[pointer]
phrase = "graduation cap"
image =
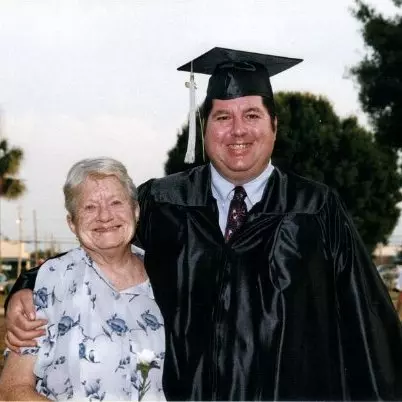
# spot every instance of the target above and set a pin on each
(234, 73)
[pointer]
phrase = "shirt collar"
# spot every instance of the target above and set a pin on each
(143, 288)
(222, 188)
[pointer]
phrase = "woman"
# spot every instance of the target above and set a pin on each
(104, 336)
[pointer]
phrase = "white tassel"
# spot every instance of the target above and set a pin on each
(190, 153)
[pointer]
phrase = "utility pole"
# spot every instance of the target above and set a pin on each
(19, 222)
(52, 253)
(35, 237)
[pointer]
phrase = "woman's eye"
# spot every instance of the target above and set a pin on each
(116, 202)
(89, 207)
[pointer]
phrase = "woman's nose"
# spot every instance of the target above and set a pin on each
(104, 213)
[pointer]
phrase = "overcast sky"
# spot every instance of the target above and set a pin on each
(83, 78)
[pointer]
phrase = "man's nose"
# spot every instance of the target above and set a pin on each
(238, 126)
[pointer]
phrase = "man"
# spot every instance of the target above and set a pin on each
(266, 289)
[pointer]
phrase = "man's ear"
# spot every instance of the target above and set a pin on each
(71, 224)
(275, 127)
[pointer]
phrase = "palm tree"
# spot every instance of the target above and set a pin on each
(11, 187)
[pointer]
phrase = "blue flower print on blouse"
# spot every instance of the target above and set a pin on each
(92, 297)
(123, 363)
(41, 298)
(83, 354)
(92, 390)
(66, 323)
(151, 321)
(117, 324)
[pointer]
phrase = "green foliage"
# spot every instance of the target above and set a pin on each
(43, 254)
(175, 162)
(10, 162)
(379, 74)
(314, 142)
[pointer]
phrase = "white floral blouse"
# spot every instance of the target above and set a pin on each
(101, 344)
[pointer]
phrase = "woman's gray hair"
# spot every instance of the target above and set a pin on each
(96, 168)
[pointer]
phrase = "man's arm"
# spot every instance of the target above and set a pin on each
(17, 381)
(22, 327)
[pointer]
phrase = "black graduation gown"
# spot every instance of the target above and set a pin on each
(292, 308)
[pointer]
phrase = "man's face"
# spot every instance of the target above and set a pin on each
(239, 138)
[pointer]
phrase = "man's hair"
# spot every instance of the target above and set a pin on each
(96, 168)
(268, 103)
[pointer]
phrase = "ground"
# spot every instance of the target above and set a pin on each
(2, 331)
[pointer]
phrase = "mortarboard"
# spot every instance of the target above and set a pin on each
(234, 73)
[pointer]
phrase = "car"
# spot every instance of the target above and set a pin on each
(389, 274)
(3, 282)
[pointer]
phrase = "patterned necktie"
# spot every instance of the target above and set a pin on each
(237, 212)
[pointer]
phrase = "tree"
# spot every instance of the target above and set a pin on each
(10, 186)
(42, 255)
(10, 161)
(379, 74)
(314, 142)
(175, 162)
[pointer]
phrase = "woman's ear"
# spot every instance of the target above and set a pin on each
(71, 224)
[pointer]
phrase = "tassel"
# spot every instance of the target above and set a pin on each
(190, 154)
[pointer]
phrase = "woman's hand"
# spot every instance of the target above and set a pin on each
(21, 325)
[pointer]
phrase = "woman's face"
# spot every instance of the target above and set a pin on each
(105, 217)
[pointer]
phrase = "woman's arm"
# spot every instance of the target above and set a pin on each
(17, 381)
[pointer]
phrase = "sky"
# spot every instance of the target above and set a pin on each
(81, 78)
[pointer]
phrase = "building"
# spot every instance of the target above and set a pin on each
(385, 254)
(11, 253)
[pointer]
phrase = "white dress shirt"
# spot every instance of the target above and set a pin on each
(223, 191)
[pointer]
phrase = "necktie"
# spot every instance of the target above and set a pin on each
(237, 212)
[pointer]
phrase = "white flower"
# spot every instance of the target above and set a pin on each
(146, 357)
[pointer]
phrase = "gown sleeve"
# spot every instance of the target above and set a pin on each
(144, 198)
(26, 280)
(370, 330)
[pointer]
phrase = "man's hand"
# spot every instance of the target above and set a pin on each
(22, 327)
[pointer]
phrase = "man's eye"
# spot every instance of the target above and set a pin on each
(116, 202)
(89, 207)
(253, 116)
(222, 117)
